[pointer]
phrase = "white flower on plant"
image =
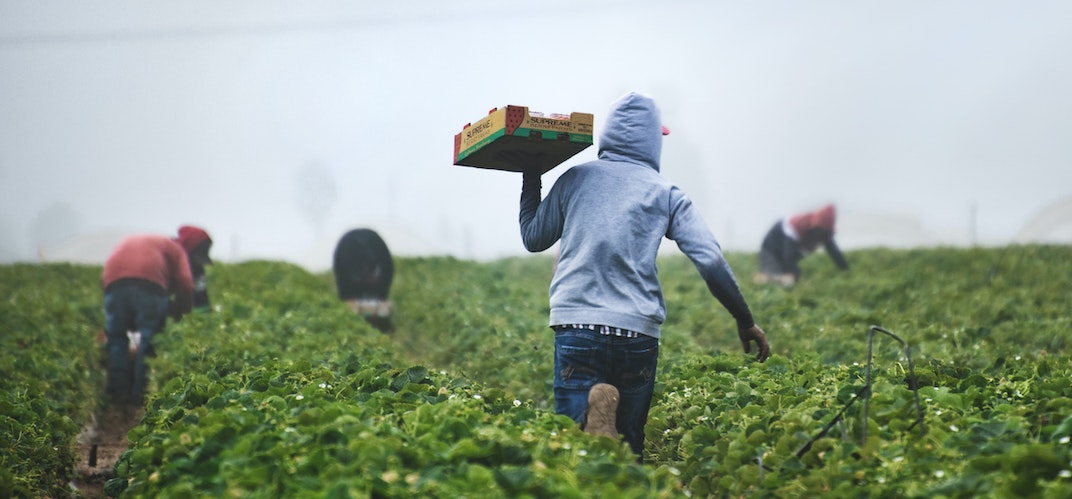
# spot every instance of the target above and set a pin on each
(1064, 474)
(939, 473)
(582, 453)
(477, 396)
(299, 397)
(1063, 440)
(517, 403)
(953, 427)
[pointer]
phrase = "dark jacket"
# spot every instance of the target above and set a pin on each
(363, 266)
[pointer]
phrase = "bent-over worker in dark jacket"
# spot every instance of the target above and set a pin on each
(793, 238)
(363, 273)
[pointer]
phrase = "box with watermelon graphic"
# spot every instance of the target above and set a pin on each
(509, 138)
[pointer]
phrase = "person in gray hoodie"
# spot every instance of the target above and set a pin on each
(610, 216)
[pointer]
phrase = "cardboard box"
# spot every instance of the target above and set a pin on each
(511, 137)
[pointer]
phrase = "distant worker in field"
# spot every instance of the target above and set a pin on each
(197, 244)
(363, 273)
(140, 279)
(793, 238)
(610, 216)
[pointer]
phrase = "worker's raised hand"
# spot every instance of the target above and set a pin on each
(757, 335)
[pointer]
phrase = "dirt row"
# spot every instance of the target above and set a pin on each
(99, 446)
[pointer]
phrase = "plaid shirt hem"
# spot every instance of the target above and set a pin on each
(599, 328)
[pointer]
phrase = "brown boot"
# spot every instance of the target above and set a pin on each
(602, 411)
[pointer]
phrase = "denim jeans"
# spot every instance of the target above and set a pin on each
(131, 308)
(584, 358)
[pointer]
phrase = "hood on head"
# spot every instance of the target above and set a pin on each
(191, 237)
(823, 218)
(633, 131)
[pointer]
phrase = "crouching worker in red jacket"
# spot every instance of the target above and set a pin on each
(139, 279)
(793, 238)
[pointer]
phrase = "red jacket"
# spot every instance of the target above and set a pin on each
(156, 259)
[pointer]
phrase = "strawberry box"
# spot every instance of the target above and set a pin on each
(510, 137)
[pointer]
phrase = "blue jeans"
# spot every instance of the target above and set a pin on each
(584, 358)
(131, 308)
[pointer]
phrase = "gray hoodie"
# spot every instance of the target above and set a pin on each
(611, 214)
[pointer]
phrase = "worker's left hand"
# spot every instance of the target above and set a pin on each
(757, 335)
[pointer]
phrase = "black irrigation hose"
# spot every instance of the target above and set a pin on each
(865, 392)
(834, 421)
(911, 379)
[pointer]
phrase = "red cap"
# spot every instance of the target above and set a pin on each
(825, 217)
(822, 218)
(190, 237)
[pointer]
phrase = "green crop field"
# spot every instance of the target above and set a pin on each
(283, 392)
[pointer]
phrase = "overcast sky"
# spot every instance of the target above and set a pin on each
(278, 125)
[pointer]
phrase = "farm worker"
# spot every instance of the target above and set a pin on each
(139, 278)
(197, 244)
(791, 239)
(610, 215)
(363, 272)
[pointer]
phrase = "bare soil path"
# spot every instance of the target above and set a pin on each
(99, 446)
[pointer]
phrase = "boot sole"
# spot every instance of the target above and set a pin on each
(602, 411)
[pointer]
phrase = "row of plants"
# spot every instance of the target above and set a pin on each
(48, 376)
(281, 391)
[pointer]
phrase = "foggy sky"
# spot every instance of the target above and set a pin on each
(278, 125)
